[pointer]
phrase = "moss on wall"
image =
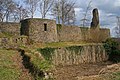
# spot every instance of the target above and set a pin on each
(59, 26)
(47, 53)
(76, 49)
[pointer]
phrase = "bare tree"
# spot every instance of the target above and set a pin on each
(45, 6)
(64, 10)
(32, 6)
(7, 7)
(19, 14)
(70, 17)
(56, 11)
(117, 28)
(84, 20)
(22, 12)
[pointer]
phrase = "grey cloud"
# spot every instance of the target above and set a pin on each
(108, 10)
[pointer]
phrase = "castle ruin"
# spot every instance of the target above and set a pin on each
(47, 31)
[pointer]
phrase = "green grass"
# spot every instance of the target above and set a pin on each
(116, 76)
(8, 71)
(56, 44)
(76, 49)
(9, 74)
(67, 44)
(39, 63)
(47, 53)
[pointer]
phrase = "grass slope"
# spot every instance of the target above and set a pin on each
(10, 66)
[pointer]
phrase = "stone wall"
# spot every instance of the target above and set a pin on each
(10, 28)
(45, 30)
(91, 53)
(69, 33)
(75, 33)
(13, 42)
(98, 35)
(39, 30)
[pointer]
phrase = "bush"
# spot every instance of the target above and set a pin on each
(47, 52)
(111, 48)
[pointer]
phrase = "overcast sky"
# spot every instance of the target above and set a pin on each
(108, 10)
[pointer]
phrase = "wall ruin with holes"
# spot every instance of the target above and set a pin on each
(13, 42)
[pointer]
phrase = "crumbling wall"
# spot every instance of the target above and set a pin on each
(10, 28)
(91, 53)
(44, 30)
(86, 54)
(75, 33)
(98, 35)
(13, 42)
(69, 33)
(39, 30)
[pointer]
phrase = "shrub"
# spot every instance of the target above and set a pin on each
(47, 52)
(111, 48)
(76, 49)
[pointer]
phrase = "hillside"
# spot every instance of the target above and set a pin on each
(11, 67)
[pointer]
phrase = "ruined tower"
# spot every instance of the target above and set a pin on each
(39, 30)
(95, 19)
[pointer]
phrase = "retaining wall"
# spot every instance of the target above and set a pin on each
(76, 54)
(13, 42)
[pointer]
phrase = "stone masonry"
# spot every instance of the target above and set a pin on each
(46, 30)
(39, 30)
(95, 19)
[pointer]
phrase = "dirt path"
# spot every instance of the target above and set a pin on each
(24, 72)
(74, 71)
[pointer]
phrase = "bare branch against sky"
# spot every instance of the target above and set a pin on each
(108, 10)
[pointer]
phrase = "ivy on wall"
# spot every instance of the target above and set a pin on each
(111, 48)
(76, 49)
(59, 26)
(47, 52)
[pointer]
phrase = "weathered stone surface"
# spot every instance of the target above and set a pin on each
(13, 42)
(87, 54)
(10, 28)
(70, 33)
(74, 33)
(95, 19)
(37, 32)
